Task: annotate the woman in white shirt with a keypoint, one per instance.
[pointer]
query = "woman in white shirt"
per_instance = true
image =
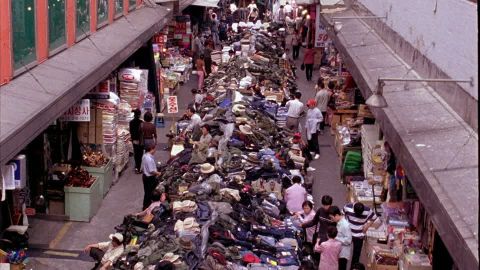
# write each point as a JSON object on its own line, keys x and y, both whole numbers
{"x": 312, "y": 122}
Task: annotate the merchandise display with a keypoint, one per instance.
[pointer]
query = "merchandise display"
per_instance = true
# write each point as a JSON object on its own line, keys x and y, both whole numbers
{"x": 78, "y": 177}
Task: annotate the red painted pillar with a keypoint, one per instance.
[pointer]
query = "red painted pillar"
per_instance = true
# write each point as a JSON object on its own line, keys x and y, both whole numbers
{"x": 6, "y": 64}
{"x": 111, "y": 11}
{"x": 126, "y": 7}
{"x": 93, "y": 16}
{"x": 41, "y": 24}
{"x": 71, "y": 21}
{"x": 139, "y": 2}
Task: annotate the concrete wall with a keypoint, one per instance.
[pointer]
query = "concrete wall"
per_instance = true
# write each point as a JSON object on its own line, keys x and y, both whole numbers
{"x": 445, "y": 31}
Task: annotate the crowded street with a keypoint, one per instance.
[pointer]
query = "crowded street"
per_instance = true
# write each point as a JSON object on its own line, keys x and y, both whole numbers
{"x": 232, "y": 135}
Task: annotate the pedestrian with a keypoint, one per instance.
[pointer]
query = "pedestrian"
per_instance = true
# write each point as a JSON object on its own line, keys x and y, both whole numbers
{"x": 134, "y": 127}
{"x": 344, "y": 236}
{"x": 280, "y": 18}
{"x": 322, "y": 97}
{"x": 148, "y": 131}
{"x": 295, "y": 195}
{"x": 288, "y": 9}
{"x": 330, "y": 250}
{"x": 223, "y": 29}
{"x": 306, "y": 215}
{"x": 360, "y": 218}
{"x": 295, "y": 109}
{"x": 106, "y": 253}
{"x": 208, "y": 58}
{"x": 197, "y": 48}
{"x": 214, "y": 28}
{"x": 197, "y": 98}
{"x": 312, "y": 122}
{"x": 150, "y": 174}
{"x": 308, "y": 60}
{"x": 295, "y": 45}
{"x": 200, "y": 63}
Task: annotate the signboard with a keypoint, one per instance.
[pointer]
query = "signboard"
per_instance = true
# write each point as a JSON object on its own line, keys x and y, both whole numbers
{"x": 101, "y": 91}
{"x": 321, "y": 37}
{"x": 172, "y": 104}
{"x": 79, "y": 112}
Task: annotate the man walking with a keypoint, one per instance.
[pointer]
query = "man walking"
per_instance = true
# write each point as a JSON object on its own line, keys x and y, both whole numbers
{"x": 322, "y": 97}
{"x": 360, "y": 218}
{"x": 150, "y": 174}
{"x": 295, "y": 108}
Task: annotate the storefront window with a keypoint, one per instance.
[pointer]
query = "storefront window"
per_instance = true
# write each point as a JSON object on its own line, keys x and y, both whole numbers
{"x": 102, "y": 12}
{"x": 118, "y": 7}
{"x": 83, "y": 17}
{"x": 23, "y": 32}
{"x": 56, "y": 23}
{"x": 132, "y": 3}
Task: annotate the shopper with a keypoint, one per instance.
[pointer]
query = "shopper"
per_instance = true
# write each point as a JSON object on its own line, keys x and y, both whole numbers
{"x": 288, "y": 9}
{"x": 321, "y": 220}
{"x": 295, "y": 109}
{"x": 106, "y": 253}
{"x": 295, "y": 195}
{"x": 306, "y": 215}
{"x": 208, "y": 58}
{"x": 308, "y": 60}
{"x": 200, "y": 63}
{"x": 134, "y": 127}
{"x": 197, "y": 98}
{"x": 360, "y": 218}
{"x": 150, "y": 174}
{"x": 314, "y": 118}
{"x": 344, "y": 236}
{"x": 330, "y": 250}
{"x": 197, "y": 48}
{"x": 223, "y": 29}
{"x": 148, "y": 131}
{"x": 280, "y": 18}
{"x": 215, "y": 24}
{"x": 322, "y": 97}
{"x": 295, "y": 45}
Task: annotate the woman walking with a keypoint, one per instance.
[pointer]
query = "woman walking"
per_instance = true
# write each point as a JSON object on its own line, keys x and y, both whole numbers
{"x": 314, "y": 118}
{"x": 308, "y": 60}
{"x": 148, "y": 131}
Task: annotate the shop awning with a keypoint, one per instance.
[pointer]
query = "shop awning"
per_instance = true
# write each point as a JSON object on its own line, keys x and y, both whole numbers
{"x": 438, "y": 150}
{"x": 33, "y": 100}
{"x": 205, "y": 3}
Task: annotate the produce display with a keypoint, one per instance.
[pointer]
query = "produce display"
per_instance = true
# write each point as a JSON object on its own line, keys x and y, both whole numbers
{"x": 79, "y": 177}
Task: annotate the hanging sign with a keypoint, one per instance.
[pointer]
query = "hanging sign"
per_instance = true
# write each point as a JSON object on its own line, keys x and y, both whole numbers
{"x": 79, "y": 112}
{"x": 101, "y": 91}
{"x": 321, "y": 37}
{"x": 172, "y": 104}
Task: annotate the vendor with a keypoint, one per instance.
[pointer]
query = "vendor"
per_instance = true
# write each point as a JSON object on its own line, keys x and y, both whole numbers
{"x": 195, "y": 121}
{"x": 157, "y": 200}
{"x": 295, "y": 110}
{"x": 106, "y": 253}
{"x": 200, "y": 151}
{"x": 197, "y": 98}
{"x": 295, "y": 195}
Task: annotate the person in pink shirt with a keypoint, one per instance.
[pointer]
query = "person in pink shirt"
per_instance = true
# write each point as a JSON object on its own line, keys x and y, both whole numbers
{"x": 306, "y": 215}
{"x": 295, "y": 195}
{"x": 308, "y": 60}
{"x": 330, "y": 250}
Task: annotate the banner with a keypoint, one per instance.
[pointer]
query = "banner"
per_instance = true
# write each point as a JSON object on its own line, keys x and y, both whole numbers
{"x": 321, "y": 37}
{"x": 172, "y": 104}
{"x": 79, "y": 112}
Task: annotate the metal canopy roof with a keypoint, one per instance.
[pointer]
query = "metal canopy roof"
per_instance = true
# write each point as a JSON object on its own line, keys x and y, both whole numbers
{"x": 33, "y": 100}
{"x": 437, "y": 148}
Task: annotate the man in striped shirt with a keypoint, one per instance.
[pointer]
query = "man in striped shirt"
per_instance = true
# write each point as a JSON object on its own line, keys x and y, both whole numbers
{"x": 360, "y": 218}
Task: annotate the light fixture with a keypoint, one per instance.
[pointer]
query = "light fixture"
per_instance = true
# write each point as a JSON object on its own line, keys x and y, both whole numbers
{"x": 337, "y": 25}
{"x": 377, "y": 100}
{"x": 308, "y": 17}
{"x": 304, "y": 12}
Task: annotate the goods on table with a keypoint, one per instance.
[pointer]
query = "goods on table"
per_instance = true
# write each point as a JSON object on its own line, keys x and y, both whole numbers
{"x": 94, "y": 158}
{"x": 78, "y": 177}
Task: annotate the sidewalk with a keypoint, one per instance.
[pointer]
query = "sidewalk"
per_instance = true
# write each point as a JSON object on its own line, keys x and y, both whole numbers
{"x": 59, "y": 245}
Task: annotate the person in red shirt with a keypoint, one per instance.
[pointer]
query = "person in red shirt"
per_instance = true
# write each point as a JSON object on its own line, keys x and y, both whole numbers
{"x": 308, "y": 59}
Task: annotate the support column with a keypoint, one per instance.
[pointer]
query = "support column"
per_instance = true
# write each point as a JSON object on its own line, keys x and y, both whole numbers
{"x": 93, "y": 16}
{"x": 71, "y": 21}
{"x": 41, "y": 24}
{"x": 6, "y": 65}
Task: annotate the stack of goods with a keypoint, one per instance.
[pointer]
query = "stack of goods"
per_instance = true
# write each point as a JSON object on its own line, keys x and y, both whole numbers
{"x": 94, "y": 158}
{"x": 363, "y": 192}
{"x": 226, "y": 209}
{"x": 123, "y": 148}
{"x": 109, "y": 126}
{"x": 78, "y": 177}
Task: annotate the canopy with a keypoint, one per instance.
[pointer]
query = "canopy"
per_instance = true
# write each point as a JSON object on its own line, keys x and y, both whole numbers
{"x": 205, "y": 3}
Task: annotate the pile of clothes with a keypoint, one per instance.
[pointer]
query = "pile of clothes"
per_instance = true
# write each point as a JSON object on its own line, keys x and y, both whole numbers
{"x": 226, "y": 208}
